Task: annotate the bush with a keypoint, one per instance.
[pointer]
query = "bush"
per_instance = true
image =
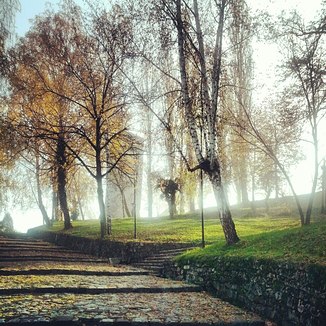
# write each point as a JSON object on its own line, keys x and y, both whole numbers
{"x": 7, "y": 224}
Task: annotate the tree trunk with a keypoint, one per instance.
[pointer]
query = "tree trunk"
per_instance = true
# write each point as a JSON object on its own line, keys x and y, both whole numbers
{"x": 187, "y": 102}
{"x": 103, "y": 220}
{"x": 315, "y": 180}
{"x": 149, "y": 146}
{"x": 55, "y": 208}
{"x": 125, "y": 204}
{"x": 253, "y": 188}
{"x": 323, "y": 189}
{"x": 172, "y": 205}
{"x": 63, "y": 197}
{"x": 191, "y": 204}
{"x": 107, "y": 217}
{"x": 227, "y": 223}
{"x": 45, "y": 216}
{"x": 171, "y": 208}
{"x": 62, "y": 181}
{"x": 107, "y": 205}
{"x": 277, "y": 186}
{"x": 243, "y": 185}
{"x": 296, "y": 198}
{"x": 80, "y": 207}
{"x": 182, "y": 203}
{"x": 267, "y": 200}
{"x": 99, "y": 179}
{"x": 149, "y": 173}
{"x": 238, "y": 192}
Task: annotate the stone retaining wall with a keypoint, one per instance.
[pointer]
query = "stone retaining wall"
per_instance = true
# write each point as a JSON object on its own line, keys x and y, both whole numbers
{"x": 125, "y": 252}
{"x": 290, "y": 294}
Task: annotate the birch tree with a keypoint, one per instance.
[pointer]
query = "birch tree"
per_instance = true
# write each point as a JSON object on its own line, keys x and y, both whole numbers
{"x": 8, "y": 10}
{"x": 206, "y": 58}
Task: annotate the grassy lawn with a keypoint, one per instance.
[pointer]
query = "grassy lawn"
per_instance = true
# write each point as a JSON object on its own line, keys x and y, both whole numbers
{"x": 182, "y": 229}
{"x": 297, "y": 244}
{"x": 278, "y": 237}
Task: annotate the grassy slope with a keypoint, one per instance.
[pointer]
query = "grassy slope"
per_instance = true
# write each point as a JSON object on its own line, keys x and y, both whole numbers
{"x": 261, "y": 237}
{"x": 298, "y": 244}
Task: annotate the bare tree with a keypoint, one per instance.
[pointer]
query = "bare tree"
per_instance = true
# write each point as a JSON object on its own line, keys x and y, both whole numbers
{"x": 274, "y": 132}
{"x": 305, "y": 66}
{"x": 240, "y": 88}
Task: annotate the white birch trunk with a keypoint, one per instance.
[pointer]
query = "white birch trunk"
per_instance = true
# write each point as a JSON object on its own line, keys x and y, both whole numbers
{"x": 209, "y": 163}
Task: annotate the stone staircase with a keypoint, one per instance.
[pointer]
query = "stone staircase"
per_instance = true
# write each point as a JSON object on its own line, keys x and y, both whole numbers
{"x": 154, "y": 263}
{"x": 52, "y": 286}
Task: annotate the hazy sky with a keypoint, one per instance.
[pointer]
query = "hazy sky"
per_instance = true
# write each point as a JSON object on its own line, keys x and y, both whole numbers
{"x": 30, "y": 8}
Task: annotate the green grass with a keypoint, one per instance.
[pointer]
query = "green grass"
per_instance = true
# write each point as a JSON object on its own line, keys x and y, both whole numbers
{"x": 297, "y": 244}
{"x": 267, "y": 237}
{"x": 177, "y": 230}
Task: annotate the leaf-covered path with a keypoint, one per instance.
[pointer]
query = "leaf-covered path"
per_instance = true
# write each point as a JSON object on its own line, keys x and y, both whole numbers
{"x": 45, "y": 284}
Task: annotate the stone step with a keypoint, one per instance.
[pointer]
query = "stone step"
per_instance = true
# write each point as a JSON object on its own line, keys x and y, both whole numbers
{"x": 68, "y": 320}
{"x": 82, "y": 290}
{"x": 50, "y": 259}
{"x": 25, "y": 244}
{"x": 157, "y": 259}
{"x": 34, "y": 249}
{"x": 162, "y": 256}
{"x": 155, "y": 263}
{"x": 148, "y": 266}
{"x": 45, "y": 256}
{"x": 153, "y": 269}
{"x": 176, "y": 251}
{"x": 23, "y": 241}
{"x": 37, "y": 252}
{"x": 70, "y": 272}
{"x": 170, "y": 253}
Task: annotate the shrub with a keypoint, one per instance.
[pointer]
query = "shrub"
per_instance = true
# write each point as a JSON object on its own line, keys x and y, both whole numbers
{"x": 7, "y": 224}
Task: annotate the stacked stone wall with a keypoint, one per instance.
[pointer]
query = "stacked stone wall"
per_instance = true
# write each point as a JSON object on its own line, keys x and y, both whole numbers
{"x": 290, "y": 294}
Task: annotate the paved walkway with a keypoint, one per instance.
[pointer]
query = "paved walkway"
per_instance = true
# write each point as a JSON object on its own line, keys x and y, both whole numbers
{"x": 48, "y": 285}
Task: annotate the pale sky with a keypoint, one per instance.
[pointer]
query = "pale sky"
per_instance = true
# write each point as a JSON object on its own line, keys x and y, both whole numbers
{"x": 307, "y": 8}
{"x": 30, "y": 8}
